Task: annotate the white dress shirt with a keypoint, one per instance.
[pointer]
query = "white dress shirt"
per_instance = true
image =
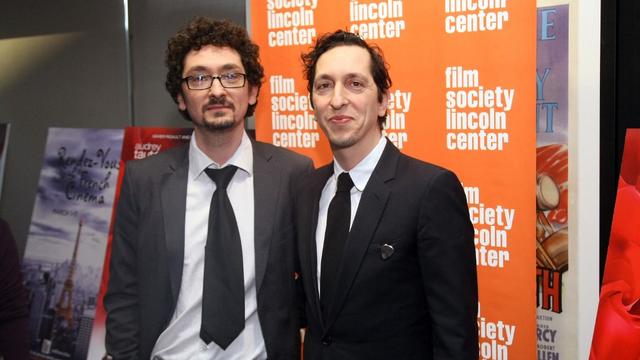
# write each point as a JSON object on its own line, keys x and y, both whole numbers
{"x": 360, "y": 175}
{"x": 181, "y": 339}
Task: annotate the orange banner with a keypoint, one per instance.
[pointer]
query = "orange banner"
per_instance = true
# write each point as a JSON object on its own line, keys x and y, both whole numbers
{"x": 463, "y": 97}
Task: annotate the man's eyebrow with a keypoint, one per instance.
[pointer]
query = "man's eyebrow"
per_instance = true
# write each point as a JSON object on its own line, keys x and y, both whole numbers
{"x": 196, "y": 68}
{"x": 225, "y": 67}
{"x": 355, "y": 74}
{"x": 347, "y": 76}
{"x": 323, "y": 77}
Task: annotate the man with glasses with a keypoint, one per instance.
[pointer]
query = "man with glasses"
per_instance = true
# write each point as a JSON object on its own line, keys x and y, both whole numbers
{"x": 202, "y": 262}
{"x": 385, "y": 242}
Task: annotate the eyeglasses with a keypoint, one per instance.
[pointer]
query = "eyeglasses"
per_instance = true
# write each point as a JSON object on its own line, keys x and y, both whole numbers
{"x": 203, "y": 82}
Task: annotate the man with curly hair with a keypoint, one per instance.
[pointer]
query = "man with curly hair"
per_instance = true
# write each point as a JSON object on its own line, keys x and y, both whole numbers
{"x": 202, "y": 262}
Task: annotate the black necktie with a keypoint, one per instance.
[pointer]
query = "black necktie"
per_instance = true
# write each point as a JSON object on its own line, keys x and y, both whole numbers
{"x": 335, "y": 237}
{"x": 223, "y": 288}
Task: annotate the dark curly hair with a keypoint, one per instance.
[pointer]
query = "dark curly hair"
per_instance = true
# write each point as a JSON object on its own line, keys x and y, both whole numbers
{"x": 203, "y": 31}
{"x": 379, "y": 67}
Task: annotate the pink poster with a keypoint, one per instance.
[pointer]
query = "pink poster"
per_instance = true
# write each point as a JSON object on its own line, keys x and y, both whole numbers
{"x": 139, "y": 143}
{"x": 617, "y": 328}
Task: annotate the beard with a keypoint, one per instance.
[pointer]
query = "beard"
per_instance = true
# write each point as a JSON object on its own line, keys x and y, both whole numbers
{"x": 340, "y": 138}
{"x": 219, "y": 120}
{"x": 341, "y": 142}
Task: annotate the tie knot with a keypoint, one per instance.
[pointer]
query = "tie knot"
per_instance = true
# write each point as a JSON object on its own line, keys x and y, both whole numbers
{"x": 221, "y": 177}
{"x": 344, "y": 182}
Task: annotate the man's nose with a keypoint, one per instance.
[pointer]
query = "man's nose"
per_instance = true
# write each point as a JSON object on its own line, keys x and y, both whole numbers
{"x": 338, "y": 97}
{"x": 216, "y": 89}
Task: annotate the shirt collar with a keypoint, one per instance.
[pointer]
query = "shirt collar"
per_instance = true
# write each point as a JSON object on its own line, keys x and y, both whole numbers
{"x": 361, "y": 173}
{"x": 242, "y": 158}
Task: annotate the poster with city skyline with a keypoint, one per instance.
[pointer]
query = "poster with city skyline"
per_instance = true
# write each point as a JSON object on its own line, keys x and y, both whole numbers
{"x": 67, "y": 238}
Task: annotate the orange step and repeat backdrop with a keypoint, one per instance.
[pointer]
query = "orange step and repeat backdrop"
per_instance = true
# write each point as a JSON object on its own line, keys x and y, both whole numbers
{"x": 463, "y": 97}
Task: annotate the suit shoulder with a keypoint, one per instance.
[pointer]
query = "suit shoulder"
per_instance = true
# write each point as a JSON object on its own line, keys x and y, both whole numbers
{"x": 154, "y": 163}
{"x": 425, "y": 175}
{"x": 312, "y": 182}
{"x": 285, "y": 155}
{"x": 317, "y": 177}
{"x": 431, "y": 183}
{"x": 412, "y": 164}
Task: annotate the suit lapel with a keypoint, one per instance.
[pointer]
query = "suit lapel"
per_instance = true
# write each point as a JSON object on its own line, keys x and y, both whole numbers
{"x": 372, "y": 204}
{"x": 313, "y": 203}
{"x": 267, "y": 189}
{"x": 173, "y": 197}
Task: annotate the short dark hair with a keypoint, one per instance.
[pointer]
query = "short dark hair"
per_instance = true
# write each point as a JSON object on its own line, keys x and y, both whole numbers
{"x": 379, "y": 67}
{"x": 203, "y": 31}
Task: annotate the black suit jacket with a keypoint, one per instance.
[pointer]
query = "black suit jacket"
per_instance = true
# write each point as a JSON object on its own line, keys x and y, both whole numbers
{"x": 148, "y": 251}
{"x": 419, "y": 303}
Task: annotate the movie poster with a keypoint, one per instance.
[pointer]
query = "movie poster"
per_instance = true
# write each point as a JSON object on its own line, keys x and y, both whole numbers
{"x": 139, "y": 143}
{"x": 552, "y": 232}
{"x": 67, "y": 238}
{"x": 4, "y": 144}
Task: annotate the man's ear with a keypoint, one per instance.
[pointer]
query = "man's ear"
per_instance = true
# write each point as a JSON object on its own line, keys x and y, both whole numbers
{"x": 181, "y": 104}
{"x": 311, "y": 101}
{"x": 383, "y": 104}
{"x": 253, "y": 94}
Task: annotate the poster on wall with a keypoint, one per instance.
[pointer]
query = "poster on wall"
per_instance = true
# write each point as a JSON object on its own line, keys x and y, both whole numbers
{"x": 552, "y": 221}
{"x": 4, "y": 144}
{"x": 617, "y": 327}
{"x": 67, "y": 238}
{"x": 458, "y": 100}
{"x": 139, "y": 143}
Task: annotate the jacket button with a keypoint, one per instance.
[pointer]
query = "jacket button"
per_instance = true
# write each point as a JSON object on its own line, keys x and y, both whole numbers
{"x": 326, "y": 341}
